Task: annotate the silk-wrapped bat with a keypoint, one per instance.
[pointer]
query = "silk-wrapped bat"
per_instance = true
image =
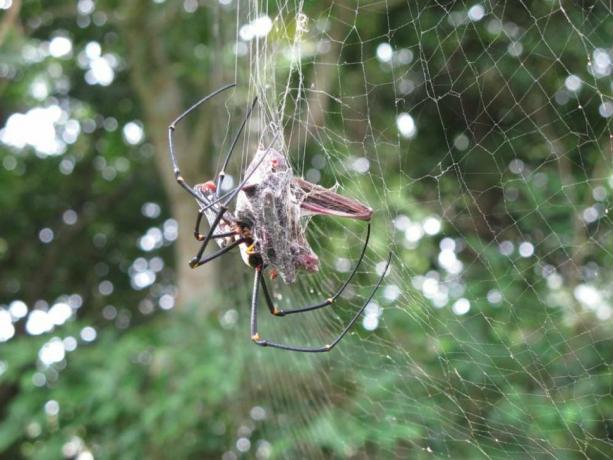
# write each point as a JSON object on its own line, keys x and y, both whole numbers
{"x": 272, "y": 206}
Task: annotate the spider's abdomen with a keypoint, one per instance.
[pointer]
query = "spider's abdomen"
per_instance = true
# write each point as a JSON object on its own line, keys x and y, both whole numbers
{"x": 250, "y": 256}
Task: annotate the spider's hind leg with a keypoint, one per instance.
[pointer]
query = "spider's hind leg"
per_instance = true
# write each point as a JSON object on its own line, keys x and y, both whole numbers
{"x": 329, "y": 301}
{"x": 269, "y": 303}
{"x": 255, "y": 336}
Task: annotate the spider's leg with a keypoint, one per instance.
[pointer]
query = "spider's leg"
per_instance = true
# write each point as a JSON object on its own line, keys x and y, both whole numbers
{"x": 330, "y": 300}
{"x": 255, "y": 337}
{"x": 200, "y": 237}
{"x": 222, "y": 173}
{"x": 197, "y": 261}
{"x": 171, "y": 130}
{"x": 269, "y": 302}
{"x": 254, "y": 304}
{"x": 361, "y": 310}
{"x": 232, "y": 193}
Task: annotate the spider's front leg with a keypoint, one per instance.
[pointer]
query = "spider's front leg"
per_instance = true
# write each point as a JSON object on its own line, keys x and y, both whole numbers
{"x": 222, "y": 172}
{"x": 171, "y": 129}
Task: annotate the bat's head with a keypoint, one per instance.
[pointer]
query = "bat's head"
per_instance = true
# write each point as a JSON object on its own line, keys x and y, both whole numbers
{"x": 265, "y": 163}
{"x": 305, "y": 258}
{"x": 276, "y": 161}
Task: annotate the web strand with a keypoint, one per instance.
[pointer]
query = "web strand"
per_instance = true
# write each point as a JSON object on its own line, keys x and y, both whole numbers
{"x": 481, "y": 136}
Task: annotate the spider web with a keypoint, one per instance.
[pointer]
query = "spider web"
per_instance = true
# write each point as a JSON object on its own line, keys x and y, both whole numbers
{"x": 480, "y": 134}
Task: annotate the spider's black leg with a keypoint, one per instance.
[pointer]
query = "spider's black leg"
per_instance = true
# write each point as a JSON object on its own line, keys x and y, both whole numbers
{"x": 265, "y": 343}
{"x": 197, "y": 261}
{"x": 200, "y": 237}
{"x": 222, "y": 173}
{"x": 254, "y": 306}
{"x": 330, "y": 300}
{"x": 232, "y": 193}
{"x": 269, "y": 302}
{"x": 171, "y": 130}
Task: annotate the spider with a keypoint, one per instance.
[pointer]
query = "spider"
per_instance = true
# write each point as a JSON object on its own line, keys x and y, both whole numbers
{"x": 267, "y": 224}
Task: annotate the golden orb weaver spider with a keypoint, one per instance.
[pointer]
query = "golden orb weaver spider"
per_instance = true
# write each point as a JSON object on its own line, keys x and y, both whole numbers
{"x": 267, "y": 225}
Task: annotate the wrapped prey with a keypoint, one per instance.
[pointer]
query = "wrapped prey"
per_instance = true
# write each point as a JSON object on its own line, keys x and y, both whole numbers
{"x": 273, "y": 203}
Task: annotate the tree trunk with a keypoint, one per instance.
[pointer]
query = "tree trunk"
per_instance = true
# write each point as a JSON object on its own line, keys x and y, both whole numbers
{"x": 162, "y": 101}
{"x": 192, "y": 284}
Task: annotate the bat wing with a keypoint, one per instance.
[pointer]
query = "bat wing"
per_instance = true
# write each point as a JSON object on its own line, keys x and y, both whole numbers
{"x": 322, "y": 201}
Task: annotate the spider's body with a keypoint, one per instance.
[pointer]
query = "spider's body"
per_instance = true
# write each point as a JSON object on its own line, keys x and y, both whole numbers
{"x": 268, "y": 225}
{"x": 267, "y": 218}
